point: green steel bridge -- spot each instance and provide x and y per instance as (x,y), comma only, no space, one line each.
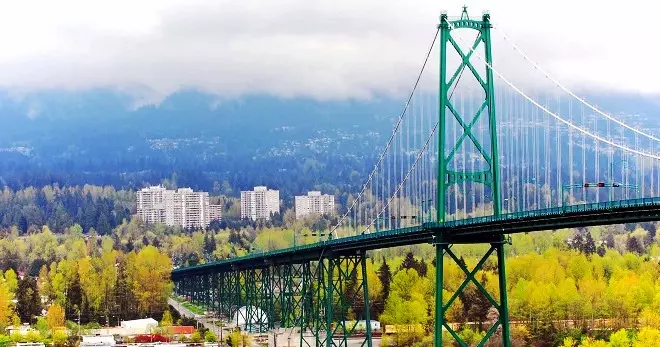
(304,287)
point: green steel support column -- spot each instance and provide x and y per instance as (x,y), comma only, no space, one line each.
(288,313)
(237,294)
(439,285)
(442,187)
(328,304)
(195,290)
(207,291)
(365,293)
(267,298)
(222,294)
(504,301)
(492,124)
(306,303)
(271,284)
(314,308)
(216,293)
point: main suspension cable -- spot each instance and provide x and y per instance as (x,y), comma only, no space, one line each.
(571,93)
(559,118)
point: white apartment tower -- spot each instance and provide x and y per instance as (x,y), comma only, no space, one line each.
(181,207)
(259,203)
(314,203)
(151,204)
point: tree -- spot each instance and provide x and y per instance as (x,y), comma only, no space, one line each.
(6,306)
(74,296)
(589,244)
(55,316)
(406,303)
(166,321)
(11,280)
(59,338)
(43,282)
(385,276)
(42,326)
(609,240)
(150,270)
(195,337)
(633,246)
(409,262)
(29,301)
(210,336)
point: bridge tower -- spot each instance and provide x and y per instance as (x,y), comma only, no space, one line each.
(487,175)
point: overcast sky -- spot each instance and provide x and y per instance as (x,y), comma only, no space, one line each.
(326,49)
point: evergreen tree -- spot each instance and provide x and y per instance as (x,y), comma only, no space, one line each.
(385,276)
(74,297)
(589,244)
(422,268)
(609,240)
(632,245)
(409,262)
(577,242)
(29,301)
(209,243)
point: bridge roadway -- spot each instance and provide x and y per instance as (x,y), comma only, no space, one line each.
(480,229)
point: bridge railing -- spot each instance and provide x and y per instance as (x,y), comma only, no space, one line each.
(588,207)
(595,206)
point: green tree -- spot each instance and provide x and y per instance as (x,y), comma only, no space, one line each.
(59,338)
(29,301)
(6,306)
(407,303)
(166,321)
(196,337)
(11,280)
(42,326)
(210,336)
(621,338)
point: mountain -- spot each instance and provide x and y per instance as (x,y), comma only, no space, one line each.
(100,137)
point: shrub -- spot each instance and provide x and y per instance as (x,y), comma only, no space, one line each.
(210,336)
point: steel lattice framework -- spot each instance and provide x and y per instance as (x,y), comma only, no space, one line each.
(488,176)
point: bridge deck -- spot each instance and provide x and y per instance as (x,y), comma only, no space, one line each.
(472,230)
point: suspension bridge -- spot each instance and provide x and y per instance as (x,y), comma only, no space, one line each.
(466,163)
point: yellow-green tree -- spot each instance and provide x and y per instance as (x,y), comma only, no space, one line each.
(150,277)
(6,306)
(55,316)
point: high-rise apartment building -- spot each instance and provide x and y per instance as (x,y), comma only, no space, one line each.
(181,207)
(259,203)
(151,204)
(215,211)
(315,203)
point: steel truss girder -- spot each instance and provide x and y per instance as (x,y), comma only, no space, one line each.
(310,295)
(325,298)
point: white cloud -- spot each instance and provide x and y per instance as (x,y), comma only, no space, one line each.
(324,49)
